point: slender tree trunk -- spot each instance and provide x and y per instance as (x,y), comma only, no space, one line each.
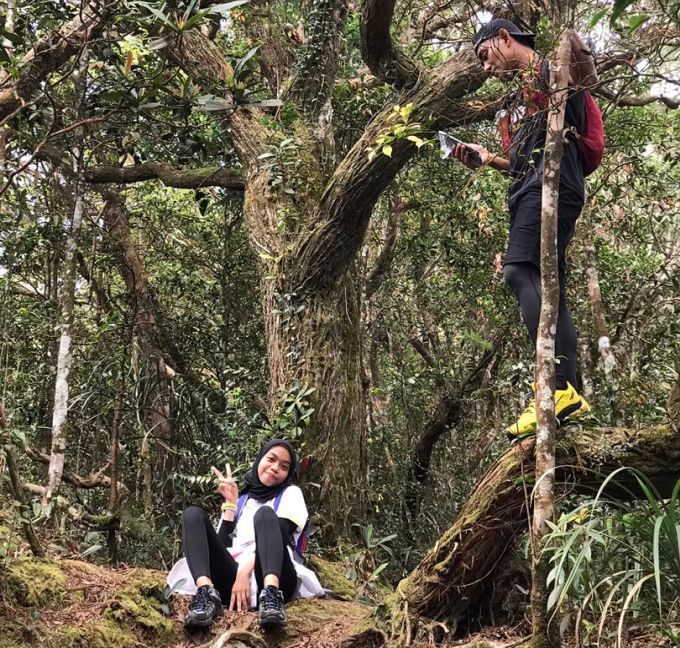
(17,488)
(544,491)
(600,328)
(65,354)
(146,333)
(115,470)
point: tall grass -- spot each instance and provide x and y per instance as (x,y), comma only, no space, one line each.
(616,564)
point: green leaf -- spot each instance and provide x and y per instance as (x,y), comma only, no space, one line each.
(157,44)
(212,103)
(596,18)
(159,14)
(242,61)
(267,103)
(13,38)
(226,6)
(656,556)
(554,597)
(635,22)
(387,150)
(90,550)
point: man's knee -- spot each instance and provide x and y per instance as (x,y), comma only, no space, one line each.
(193,515)
(515,275)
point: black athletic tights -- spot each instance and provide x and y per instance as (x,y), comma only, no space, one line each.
(207,554)
(524,279)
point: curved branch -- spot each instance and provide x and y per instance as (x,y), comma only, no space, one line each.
(345,207)
(384,60)
(50,53)
(94,480)
(168,175)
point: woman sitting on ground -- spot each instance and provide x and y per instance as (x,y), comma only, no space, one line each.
(250,561)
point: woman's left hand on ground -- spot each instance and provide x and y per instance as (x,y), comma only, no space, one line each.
(226,484)
(240,592)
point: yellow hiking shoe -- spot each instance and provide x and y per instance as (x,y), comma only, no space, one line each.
(568,404)
(525,425)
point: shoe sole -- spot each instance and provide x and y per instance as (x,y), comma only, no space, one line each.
(271,623)
(202,624)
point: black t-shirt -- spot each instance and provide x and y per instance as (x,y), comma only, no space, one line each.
(528,124)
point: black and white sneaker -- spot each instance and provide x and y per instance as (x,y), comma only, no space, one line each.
(270,611)
(205,607)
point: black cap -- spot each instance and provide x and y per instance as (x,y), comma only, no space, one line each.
(493,28)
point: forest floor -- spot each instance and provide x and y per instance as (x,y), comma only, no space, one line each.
(58,602)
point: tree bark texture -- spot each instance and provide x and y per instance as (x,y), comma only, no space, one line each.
(452,583)
(147,335)
(544,491)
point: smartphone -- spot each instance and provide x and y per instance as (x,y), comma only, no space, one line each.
(447,142)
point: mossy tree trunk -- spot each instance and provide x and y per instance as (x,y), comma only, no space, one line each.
(452,583)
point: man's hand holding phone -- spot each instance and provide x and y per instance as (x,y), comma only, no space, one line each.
(472,156)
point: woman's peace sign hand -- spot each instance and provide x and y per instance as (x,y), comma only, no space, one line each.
(226,485)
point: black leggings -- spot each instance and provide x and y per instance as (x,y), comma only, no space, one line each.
(207,555)
(524,279)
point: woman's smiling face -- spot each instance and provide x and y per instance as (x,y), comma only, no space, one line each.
(274,467)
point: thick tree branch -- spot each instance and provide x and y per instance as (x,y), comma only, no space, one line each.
(621,100)
(168,175)
(384,60)
(51,52)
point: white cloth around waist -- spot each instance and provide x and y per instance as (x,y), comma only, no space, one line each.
(308,585)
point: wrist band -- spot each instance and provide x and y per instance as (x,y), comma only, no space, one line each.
(228,506)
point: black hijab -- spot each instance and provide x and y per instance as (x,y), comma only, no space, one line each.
(255,488)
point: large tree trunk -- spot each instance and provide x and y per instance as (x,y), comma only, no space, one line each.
(316,343)
(451,584)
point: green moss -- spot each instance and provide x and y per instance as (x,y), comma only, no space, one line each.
(36,583)
(332,577)
(138,605)
(105,634)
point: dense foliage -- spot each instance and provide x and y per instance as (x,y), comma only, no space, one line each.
(172,352)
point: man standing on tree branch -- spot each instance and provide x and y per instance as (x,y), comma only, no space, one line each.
(508,52)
